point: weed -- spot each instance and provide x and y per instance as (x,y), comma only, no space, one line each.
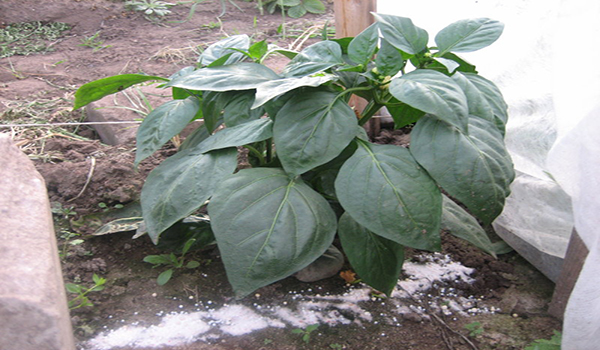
(26,38)
(153,9)
(69,240)
(544,344)
(94,42)
(173,261)
(81,299)
(475,329)
(267,341)
(306,332)
(105,207)
(58,209)
(336,346)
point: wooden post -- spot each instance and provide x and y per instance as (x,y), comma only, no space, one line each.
(351,18)
(573,263)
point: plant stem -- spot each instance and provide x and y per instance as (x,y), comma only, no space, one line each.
(258,154)
(369,112)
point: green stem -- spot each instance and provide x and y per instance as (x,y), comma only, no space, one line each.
(258,154)
(269,146)
(369,112)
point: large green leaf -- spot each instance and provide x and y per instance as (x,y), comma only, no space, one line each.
(389,60)
(404,115)
(223,48)
(268,226)
(385,190)
(377,260)
(239,135)
(492,94)
(315,58)
(274,88)
(475,169)
(238,108)
(181,184)
(434,93)
(97,89)
(362,48)
(213,103)
(476,100)
(162,123)
(239,76)
(468,35)
(311,129)
(402,33)
(314,6)
(463,225)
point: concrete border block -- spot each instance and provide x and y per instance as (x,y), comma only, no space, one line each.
(33,304)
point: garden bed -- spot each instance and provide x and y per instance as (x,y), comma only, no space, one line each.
(508,297)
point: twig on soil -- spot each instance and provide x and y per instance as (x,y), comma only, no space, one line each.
(87,181)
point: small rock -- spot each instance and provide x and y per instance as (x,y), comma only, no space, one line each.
(328,265)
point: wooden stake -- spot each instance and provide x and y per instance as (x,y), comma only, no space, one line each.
(574,259)
(351,18)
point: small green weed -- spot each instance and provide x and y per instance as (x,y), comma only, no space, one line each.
(69,240)
(153,9)
(105,207)
(475,329)
(81,299)
(173,261)
(544,344)
(267,341)
(94,42)
(306,332)
(26,38)
(336,346)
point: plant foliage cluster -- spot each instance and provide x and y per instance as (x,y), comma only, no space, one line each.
(310,154)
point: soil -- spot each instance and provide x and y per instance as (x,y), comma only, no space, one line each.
(132,295)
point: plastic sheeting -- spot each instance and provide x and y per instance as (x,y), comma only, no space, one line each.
(545,65)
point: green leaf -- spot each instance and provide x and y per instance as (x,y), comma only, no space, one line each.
(463,225)
(157,259)
(239,76)
(468,35)
(449,65)
(493,95)
(314,6)
(198,135)
(192,264)
(296,11)
(238,108)
(389,60)
(162,123)
(243,134)
(315,58)
(402,33)
(213,104)
(433,93)
(164,277)
(311,129)
(223,48)
(475,169)
(464,66)
(258,50)
(384,189)
(97,89)
(73,288)
(476,100)
(268,226)
(362,48)
(181,184)
(274,88)
(378,261)
(404,115)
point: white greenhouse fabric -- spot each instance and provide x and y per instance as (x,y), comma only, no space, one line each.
(545,63)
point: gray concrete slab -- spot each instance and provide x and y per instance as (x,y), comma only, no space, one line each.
(33,305)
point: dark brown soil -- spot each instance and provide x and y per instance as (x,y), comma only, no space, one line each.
(131,294)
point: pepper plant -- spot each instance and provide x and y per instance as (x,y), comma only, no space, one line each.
(309,153)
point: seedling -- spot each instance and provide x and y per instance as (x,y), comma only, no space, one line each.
(336,346)
(175,262)
(475,329)
(306,332)
(105,207)
(94,42)
(69,241)
(152,9)
(544,344)
(81,299)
